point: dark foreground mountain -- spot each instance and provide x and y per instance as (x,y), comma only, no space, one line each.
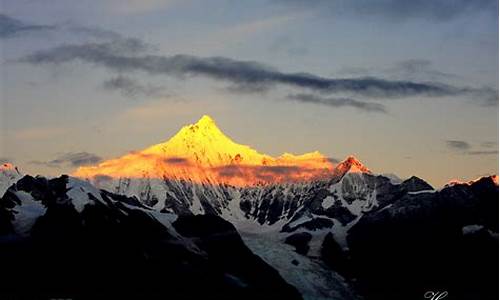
(433,241)
(356,235)
(62,238)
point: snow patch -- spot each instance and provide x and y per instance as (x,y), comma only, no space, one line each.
(470,229)
(78,192)
(26,214)
(327,202)
(308,275)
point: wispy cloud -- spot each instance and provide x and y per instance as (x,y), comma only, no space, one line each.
(177,161)
(4,160)
(339,102)
(132,88)
(73,159)
(458,145)
(12,27)
(121,56)
(464,147)
(410,69)
(93,31)
(489,152)
(261,173)
(489,144)
(399,10)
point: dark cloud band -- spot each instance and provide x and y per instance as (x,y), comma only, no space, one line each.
(132,88)
(11,27)
(339,102)
(122,56)
(458,145)
(488,152)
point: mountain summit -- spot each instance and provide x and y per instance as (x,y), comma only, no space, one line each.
(351,165)
(201,152)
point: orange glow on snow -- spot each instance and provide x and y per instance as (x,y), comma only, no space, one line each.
(494,178)
(202,153)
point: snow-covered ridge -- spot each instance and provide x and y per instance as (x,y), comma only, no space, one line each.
(30,203)
(9,174)
(453,182)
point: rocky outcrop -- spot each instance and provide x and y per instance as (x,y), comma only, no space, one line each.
(334,256)
(415,184)
(300,241)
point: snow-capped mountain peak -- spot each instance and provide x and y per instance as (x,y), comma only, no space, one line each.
(350,165)
(206,122)
(202,153)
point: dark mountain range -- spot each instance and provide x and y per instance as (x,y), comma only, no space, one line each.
(354,236)
(62,238)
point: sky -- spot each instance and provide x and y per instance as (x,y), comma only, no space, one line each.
(409,87)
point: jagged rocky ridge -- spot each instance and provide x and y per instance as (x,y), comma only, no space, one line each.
(63,238)
(445,240)
(333,204)
(332,214)
(355,234)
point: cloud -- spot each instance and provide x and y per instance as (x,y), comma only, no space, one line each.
(412,68)
(73,159)
(489,144)
(421,70)
(400,10)
(121,56)
(458,145)
(261,173)
(102,179)
(132,88)
(333,160)
(95,32)
(4,160)
(465,147)
(339,102)
(177,161)
(489,152)
(11,27)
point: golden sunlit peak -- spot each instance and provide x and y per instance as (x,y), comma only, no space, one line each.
(352,164)
(204,123)
(205,127)
(201,152)
(205,120)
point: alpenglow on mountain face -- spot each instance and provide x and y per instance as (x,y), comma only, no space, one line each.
(201,152)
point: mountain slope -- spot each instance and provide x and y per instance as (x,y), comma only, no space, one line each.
(265,215)
(201,153)
(64,238)
(454,230)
